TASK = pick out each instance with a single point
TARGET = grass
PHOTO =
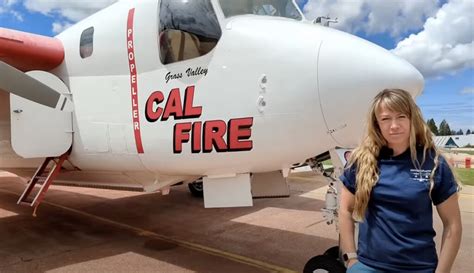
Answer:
(471, 152)
(327, 162)
(465, 175)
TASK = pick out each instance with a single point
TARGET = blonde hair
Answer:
(365, 156)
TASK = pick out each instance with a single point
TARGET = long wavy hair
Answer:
(365, 156)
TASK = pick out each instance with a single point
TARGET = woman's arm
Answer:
(346, 223)
(452, 230)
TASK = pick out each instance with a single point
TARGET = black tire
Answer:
(324, 263)
(196, 188)
(333, 252)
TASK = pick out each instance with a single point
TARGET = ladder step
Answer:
(40, 182)
(28, 200)
(24, 203)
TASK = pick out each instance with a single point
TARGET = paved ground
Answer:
(458, 159)
(90, 230)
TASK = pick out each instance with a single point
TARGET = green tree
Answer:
(468, 132)
(432, 125)
(444, 129)
(460, 132)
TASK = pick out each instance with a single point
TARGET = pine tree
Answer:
(444, 129)
(468, 132)
(432, 125)
(460, 132)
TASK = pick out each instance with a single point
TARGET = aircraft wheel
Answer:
(324, 264)
(196, 188)
(333, 252)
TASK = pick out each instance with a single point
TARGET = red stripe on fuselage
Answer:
(133, 81)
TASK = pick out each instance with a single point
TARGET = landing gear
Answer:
(196, 188)
(333, 252)
(324, 264)
(330, 262)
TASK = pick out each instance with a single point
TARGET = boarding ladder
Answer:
(38, 185)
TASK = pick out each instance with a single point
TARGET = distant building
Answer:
(464, 140)
(454, 141)
(445, 142)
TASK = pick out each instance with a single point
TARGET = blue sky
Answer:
(412, 29)
(31, 21)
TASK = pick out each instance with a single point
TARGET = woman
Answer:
(390, 184)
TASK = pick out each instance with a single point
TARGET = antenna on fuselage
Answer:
(324, 20)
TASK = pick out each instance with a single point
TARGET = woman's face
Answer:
(394, 126)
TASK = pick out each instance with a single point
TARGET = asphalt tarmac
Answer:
(93, 230)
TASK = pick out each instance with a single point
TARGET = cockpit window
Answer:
(280, 8)
(188, 29)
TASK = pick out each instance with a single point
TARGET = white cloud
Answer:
(446, 43)
(6, 7)
(467, 91)
(9, 3)
(17, 15)
(71, 10)
(374, 16)
(60, 26)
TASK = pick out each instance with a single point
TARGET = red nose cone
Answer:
(27, 51)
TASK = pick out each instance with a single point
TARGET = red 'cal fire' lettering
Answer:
(151, 114)
(196, 137)
(191, 111)
(202, 136)
(181, 135)
(239, 133)
(173, 106)
(213, 134)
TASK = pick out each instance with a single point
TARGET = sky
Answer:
(436, 36)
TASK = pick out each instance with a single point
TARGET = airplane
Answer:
(225, 96)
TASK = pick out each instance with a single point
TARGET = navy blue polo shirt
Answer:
(397, 232)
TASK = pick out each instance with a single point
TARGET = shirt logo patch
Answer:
(420, 175)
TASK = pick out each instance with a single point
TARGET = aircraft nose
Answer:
(351, 71)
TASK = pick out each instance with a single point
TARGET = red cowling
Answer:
(27, 51)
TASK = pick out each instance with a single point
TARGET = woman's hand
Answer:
(351, 263)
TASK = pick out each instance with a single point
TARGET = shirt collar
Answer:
(387, 153)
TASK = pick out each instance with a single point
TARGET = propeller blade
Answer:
(16, 82)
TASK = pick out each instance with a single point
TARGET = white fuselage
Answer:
(288, 129)
(299, 88)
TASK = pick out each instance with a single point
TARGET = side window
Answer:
(87, 43)
(187, 30)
